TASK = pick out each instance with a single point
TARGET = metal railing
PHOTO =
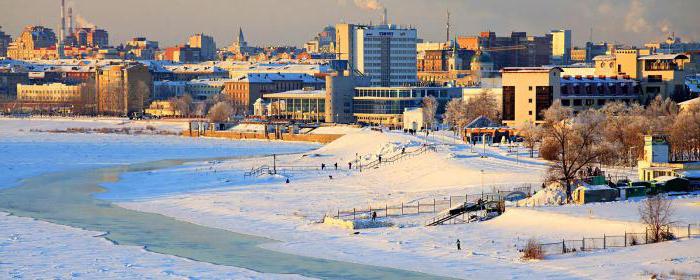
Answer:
(614, 241)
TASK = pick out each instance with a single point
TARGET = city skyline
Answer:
(632, 22)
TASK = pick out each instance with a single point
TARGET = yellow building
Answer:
(122, 89)
(528, 92)
(658, 74)
(51, 93)
(663, 74)
(162, 109)
(35, 42)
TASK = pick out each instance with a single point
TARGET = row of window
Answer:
(600, 90)
(401, 93)
(590, 102)
(378, 39)
(393, 65)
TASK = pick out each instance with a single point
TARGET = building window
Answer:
(577, 102)
(529, 88)
(529, 113)
(529, 100)
(566, 102)
(543, 96)
(508, 103)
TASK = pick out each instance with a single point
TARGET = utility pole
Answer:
(274, 163)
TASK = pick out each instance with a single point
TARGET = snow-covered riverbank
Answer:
(289, 212)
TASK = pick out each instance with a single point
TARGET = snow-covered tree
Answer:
(429, 110)
(220, 112)
(531, 134)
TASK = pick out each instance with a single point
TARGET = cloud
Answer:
(369, 4)
(635, 19)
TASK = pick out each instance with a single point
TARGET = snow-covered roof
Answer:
(594, 187)
(529, 69)
(604, 57)
(298, 94)
(597, 80)
(691, 174)
(664, 56)
(662, 179)
(481, 122)
(270, 77)
(209, 82)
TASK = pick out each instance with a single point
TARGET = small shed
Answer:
(594, 193)
(632, 191)
(672, 184)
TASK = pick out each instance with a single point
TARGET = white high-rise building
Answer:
(385, 53)
(561, 46)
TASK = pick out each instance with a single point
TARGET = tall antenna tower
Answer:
(62, 32)
(385, 20)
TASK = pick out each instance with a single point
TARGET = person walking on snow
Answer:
(323, 166)
(336, 166)
(380, 158)
(374, 215)
(349, 165)
(459, 245)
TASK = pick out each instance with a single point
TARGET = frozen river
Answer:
(59, 175)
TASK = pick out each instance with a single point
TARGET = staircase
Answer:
(397, 157)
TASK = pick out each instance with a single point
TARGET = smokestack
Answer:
(385, 20)
(70, 21)
(448, 26)
(63, 21)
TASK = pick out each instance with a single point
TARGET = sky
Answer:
(293, 22)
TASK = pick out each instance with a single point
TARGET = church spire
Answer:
(241, 39)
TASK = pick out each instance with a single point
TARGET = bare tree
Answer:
(656, 213)
(685, 135)
(577, 141)
(483, 104)
(220, 112)
(660, 113)
(182, 104)
(456, 114)
(624, 128)
(429, 110)
(531, 134)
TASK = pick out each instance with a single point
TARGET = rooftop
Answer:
(319, 94)
(529, 69)
(664, 56)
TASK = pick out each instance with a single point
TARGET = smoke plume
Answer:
(635, 19)
(371, 5)
(82, 22)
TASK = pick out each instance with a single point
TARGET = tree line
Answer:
(611, 135)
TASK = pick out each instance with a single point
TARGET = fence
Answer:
(422, 206)
(284, 169)
(384, 161)
(612, 241)
(266, 169)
